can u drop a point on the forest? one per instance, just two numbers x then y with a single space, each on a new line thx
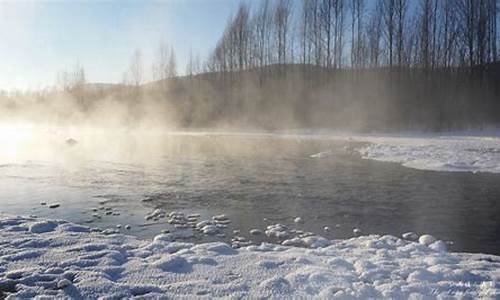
430 65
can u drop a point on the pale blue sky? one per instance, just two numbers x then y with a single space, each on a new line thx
40 38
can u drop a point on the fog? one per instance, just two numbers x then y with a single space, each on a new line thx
274 98
283 65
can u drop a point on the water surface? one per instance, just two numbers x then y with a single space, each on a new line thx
256 181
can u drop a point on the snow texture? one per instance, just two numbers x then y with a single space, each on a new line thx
437 153
57 259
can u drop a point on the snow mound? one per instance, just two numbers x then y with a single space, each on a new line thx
42 226
436 153
56 259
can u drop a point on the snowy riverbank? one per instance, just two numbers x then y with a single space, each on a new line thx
57 258
436 152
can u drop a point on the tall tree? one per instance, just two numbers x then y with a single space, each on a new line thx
136 68
374 34
282 27
401 9
357 14
389 22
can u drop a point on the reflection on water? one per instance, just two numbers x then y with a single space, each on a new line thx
255 181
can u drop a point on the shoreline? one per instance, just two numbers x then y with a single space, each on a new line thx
61 259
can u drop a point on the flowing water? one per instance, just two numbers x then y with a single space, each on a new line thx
256 180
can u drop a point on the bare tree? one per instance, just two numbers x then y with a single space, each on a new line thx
494 7
327 8
160 65
263 22
401 8
449 33
282 26
172 64
357 14
73 81
423 33
305 31
339 33
388 8
316 27
241 31
136 68
374 34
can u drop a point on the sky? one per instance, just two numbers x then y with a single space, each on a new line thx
38 39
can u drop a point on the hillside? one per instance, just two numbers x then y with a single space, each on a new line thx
288 96
300 96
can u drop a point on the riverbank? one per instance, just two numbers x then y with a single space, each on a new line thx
61 259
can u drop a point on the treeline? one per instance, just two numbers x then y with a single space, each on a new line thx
363 65
376 65
339 34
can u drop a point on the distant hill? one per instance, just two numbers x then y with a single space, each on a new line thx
290 96
298 96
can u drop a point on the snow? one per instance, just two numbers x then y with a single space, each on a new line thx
255 231
278 231
43 226
210 229
156 214
322 154
57 259
426 239
298 220
434 152
410 236
220 218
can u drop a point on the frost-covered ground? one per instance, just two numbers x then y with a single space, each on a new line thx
56 258
437 153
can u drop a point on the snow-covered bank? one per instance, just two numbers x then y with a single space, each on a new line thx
437 153
56 258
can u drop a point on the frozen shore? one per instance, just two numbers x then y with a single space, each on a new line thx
437 153
59 259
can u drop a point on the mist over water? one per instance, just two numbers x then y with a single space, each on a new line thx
255 179
238 130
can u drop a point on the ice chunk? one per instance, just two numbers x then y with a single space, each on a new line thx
210 229
322 154
412 236
426 239
439 246
255 232
204 223
220 218
278 231
293 242
42 226
315 241
156 214
164 237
